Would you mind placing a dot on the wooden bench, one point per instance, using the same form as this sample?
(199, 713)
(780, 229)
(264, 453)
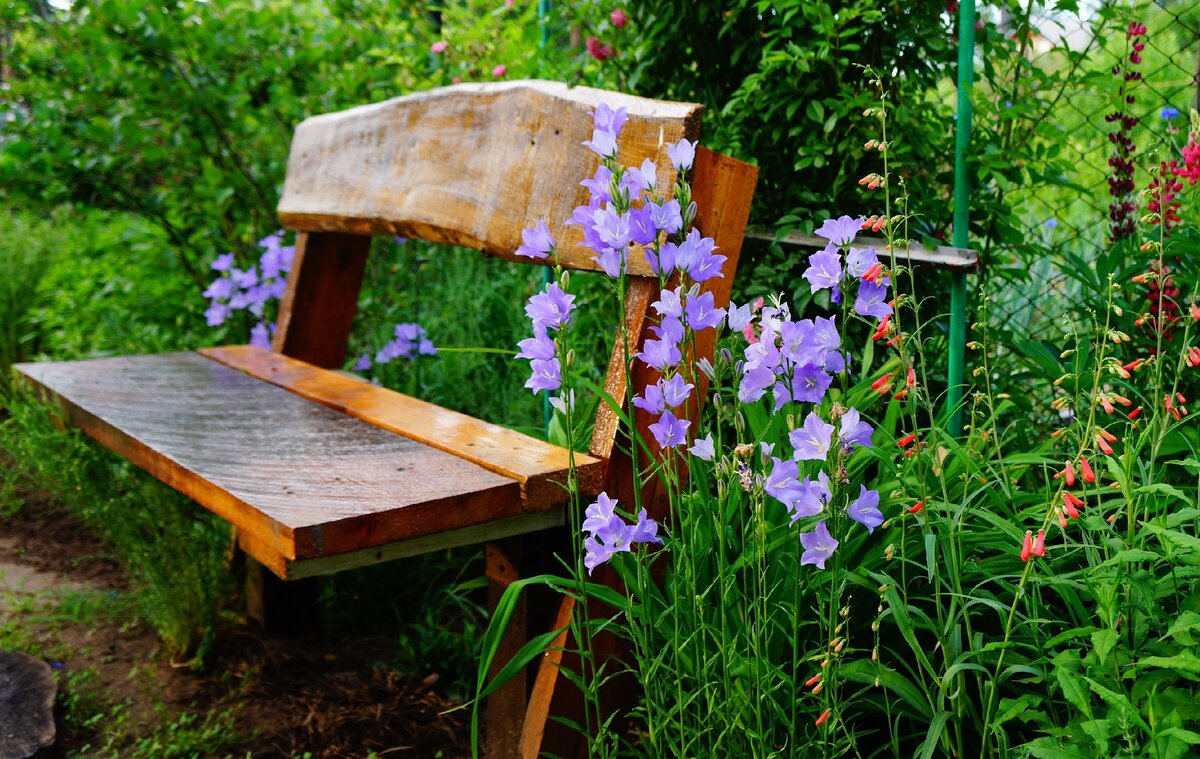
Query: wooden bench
(318, 471)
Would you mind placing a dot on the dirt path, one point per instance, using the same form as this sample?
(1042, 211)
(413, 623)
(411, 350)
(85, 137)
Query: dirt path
(63, 599)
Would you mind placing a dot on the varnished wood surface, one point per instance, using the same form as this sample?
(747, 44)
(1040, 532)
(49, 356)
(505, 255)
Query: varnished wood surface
(540, 468)
(470, 165)
(321, 300)
(298, 479)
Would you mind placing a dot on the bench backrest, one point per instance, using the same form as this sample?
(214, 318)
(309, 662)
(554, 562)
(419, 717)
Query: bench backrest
(474, 165)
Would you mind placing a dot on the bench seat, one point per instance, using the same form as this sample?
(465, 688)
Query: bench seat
(317, 471)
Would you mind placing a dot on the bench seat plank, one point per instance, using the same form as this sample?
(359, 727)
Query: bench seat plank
(540, 467)
(299, 480)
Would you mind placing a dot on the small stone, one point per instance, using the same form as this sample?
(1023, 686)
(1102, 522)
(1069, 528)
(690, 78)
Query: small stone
(27, 692)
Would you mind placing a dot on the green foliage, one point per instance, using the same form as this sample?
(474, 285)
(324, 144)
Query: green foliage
(175, 551)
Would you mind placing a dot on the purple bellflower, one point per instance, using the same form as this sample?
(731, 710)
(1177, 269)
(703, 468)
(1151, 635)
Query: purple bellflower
(841, 231)
(682, 154)
(811, 442)
(550, 309)
(818, 545)
(537, 241)
(669, 431)
(865, 509)
(824, 269)
(871, 300)
(854, 431)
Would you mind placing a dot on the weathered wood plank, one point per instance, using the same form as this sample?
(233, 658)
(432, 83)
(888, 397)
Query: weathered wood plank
(318, 309)
(522, 524)
(943, 256)
(303, 480)
(540, 467)
(469, 165)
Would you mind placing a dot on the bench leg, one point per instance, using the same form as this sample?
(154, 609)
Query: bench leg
(506, 706)
(287, 608)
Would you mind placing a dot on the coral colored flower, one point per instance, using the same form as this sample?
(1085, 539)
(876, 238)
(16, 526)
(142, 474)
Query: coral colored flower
(821, 720)
(1195, 311)
(916, 507)
(1071, 504)
(1086, 469)
(1103, 445)
(881, 385)
(1039, 544)
(1069, 473)
(1027, 546)
(1135, 413)
(905, 441)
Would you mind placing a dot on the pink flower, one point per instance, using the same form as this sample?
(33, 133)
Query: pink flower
(598, 49)
(500, 71)
(1027, 547)
(618, 18)
(439, 46)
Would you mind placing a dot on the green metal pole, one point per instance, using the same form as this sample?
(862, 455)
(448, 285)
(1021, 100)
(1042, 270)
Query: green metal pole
(962, 207)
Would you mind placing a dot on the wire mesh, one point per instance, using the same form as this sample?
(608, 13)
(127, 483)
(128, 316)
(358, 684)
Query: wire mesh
(1093, 107)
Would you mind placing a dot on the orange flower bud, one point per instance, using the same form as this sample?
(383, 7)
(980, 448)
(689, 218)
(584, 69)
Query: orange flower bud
(1135, 413)
(1039, 544)
(916, 507)
(821, 720)
(905, 441)
(1027, 546)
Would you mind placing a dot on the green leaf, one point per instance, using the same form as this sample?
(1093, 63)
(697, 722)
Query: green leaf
(1184, 661)
(1103, 642)
(1181, 628)
(1011, 708)
(1165, 489)
(866, 672)
(933, 735)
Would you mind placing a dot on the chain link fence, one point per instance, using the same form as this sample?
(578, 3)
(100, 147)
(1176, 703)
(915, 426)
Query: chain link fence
(1119, 80)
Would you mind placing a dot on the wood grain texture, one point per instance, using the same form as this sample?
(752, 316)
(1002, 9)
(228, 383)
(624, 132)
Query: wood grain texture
(299, 480)
(539, 467)
(318, 308)
(470, 165)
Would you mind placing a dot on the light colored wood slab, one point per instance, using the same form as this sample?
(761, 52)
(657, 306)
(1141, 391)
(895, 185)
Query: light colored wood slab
(539, 467)
(469, 165)
(943, 256)
(302, 480)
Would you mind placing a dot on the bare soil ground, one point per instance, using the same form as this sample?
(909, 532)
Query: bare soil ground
(63, 598)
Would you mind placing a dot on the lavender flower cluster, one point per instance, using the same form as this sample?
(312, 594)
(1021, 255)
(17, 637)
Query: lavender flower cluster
(409, 341)
(796, 360)
(606, 533)
(252, 289)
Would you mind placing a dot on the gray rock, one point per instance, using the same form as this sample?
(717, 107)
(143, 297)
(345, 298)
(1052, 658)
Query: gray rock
(27, 691)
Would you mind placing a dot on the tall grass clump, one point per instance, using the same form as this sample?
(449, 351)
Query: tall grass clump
(837, 575)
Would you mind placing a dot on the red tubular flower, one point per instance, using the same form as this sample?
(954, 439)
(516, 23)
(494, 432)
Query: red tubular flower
(879, 384)
(1195, 311)
(884, 327)
(1071, 504)
(1062, 519)
(1135, 413)
(1086, 470)
(905, 441)
(1069, 474)
(1027, 546)
(916, 507)
(821, 720)
(872, 274)
(1107, 435)
(1106, 404)
(1133, 365)
(1103, 445)
(912, 377)
(1039, 544)
(810, 682)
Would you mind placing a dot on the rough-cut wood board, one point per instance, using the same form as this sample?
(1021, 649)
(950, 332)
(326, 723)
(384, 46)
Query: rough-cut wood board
(318, 308)
(943, 255)
(27, 691)
(522, 524)
(303, 480)
(469, 165)
(540, 467)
